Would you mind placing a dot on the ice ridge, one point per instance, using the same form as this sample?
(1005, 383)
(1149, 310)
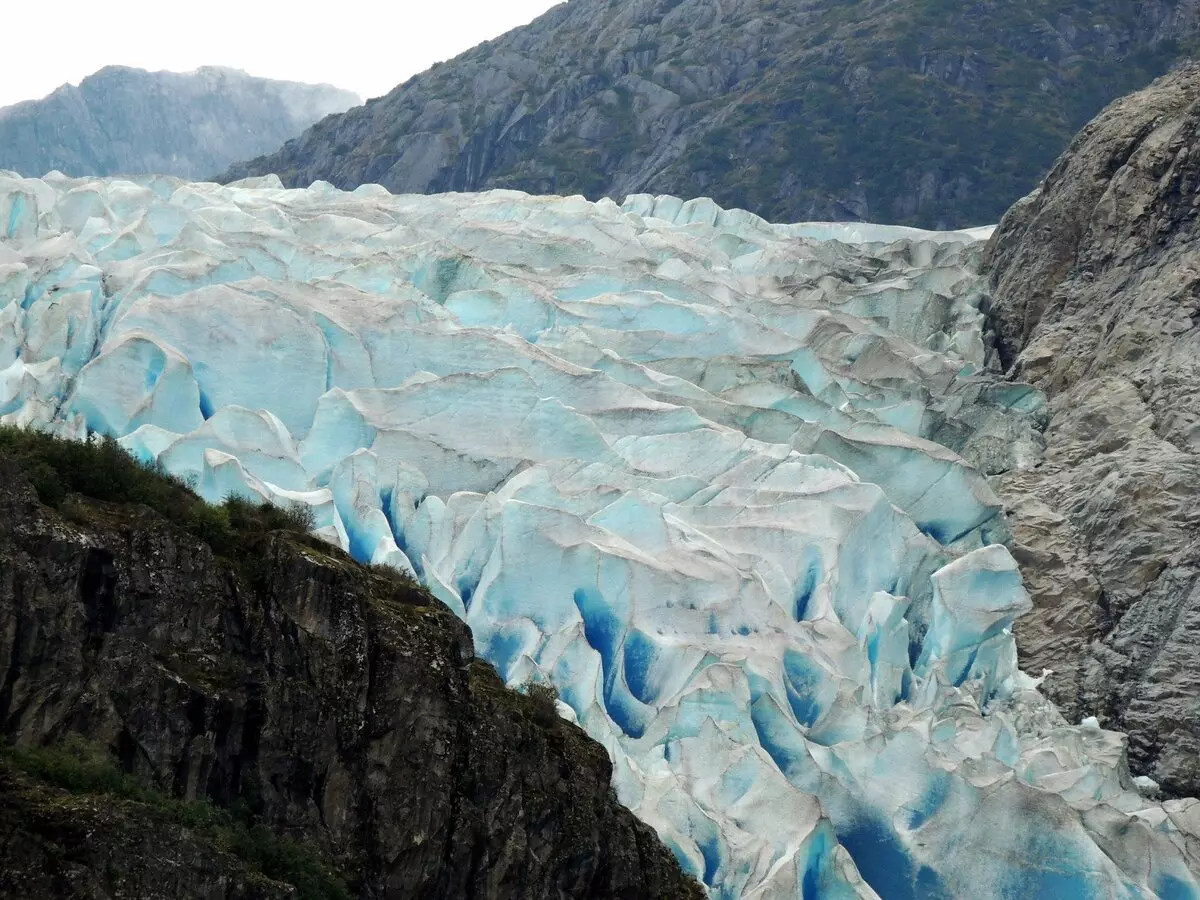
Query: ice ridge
(722, 482)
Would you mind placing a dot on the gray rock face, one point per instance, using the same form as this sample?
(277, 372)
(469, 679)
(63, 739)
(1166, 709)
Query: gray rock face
(339, 706)
(1096, 281)
(54, 844)
(915, 111)
(123, 121)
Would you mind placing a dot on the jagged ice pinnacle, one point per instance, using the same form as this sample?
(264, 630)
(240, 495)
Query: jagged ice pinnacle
(722, 482)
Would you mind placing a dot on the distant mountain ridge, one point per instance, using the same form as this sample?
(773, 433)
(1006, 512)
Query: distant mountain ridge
(931, 113)
(129, 121)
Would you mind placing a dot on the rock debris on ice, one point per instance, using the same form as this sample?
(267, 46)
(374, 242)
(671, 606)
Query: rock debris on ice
(722, 482)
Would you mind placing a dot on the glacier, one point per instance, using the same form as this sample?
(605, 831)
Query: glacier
(723, 483)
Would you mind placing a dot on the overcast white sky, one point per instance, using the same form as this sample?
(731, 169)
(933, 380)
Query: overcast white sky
(366, 46)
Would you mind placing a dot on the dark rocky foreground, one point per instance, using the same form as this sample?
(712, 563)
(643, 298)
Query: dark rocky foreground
(1096, 282)
(336, 706)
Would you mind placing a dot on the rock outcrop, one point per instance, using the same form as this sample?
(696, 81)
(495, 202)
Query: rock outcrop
(123, 121)
(335, 704)
(55, 844)
(921, 112)
(1096, 281)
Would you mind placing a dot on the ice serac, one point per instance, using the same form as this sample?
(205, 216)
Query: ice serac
(722, 482)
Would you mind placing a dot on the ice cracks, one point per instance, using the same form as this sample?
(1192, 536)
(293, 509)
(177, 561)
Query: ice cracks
(722, 482)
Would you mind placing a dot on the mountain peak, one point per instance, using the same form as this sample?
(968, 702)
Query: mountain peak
(127, 120)
(914, 111)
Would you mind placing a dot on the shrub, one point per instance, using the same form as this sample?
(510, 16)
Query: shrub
(297, 517)
(98, 467)
(101, 469)
(393, 575)
(545, 702)
(82, 767)
(212, 525)
(76, 765)
(248, 517)
(45, 481)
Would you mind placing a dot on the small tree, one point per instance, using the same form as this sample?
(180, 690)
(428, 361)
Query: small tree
(545, 702)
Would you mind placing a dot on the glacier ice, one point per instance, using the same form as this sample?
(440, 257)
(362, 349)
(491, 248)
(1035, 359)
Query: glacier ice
(722, 482)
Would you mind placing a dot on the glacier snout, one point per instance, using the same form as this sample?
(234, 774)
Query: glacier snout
(723, 483)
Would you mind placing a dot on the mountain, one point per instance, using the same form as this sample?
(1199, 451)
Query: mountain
(125, 121)
(282, 721)
(926, 112)
(725, 485)
(1094, 299)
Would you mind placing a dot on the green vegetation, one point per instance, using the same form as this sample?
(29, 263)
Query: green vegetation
(99, 468)
(544, 698)
(80, 767)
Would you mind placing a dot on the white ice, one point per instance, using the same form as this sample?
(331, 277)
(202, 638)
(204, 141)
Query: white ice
(707, 475)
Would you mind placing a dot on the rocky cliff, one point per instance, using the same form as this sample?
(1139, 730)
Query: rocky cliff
(125, 121)
(279, 685)
(924, 112)
(1096, 280)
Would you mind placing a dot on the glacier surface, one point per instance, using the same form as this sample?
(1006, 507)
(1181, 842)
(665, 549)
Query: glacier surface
(722, 482)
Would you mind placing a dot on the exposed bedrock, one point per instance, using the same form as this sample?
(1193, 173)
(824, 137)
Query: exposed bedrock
(339, 706)
(1096, 300)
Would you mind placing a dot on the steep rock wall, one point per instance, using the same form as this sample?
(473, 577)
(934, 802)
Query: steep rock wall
(1096, 300)
(339, 706)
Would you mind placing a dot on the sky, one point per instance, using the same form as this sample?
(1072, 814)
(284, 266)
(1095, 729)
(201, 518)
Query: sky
(366, 46)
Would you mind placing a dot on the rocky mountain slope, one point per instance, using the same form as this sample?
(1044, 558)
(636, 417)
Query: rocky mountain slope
(312, 705)
(124, 121)
(1096, 282)
(924, 112)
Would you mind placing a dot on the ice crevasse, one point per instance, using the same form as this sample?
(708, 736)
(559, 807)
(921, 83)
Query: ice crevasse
(722, 482)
